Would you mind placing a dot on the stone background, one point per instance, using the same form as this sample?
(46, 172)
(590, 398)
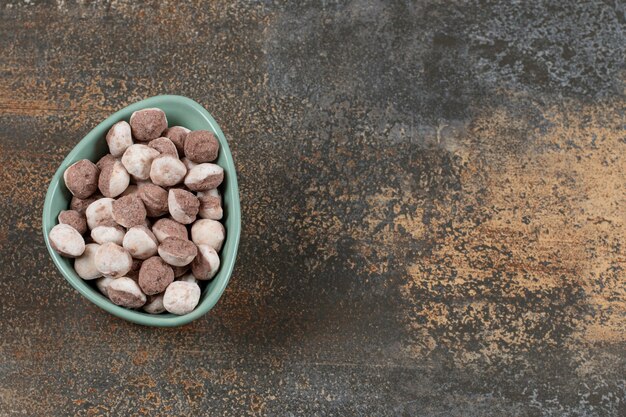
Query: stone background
(433, 195)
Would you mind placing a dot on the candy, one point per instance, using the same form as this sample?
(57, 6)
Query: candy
(67, 241)
(183, 205)
(112, 260)
(106, 234)
(85, 265)
(208, 232)
(99, 213)
(167, 170)
(154, 305)
(126, 293)
(165, 228)
(114, 179)
(204, 177)
(201, 146)
(154, 199)
(177, 135)
(129, 211)
(176, 251)
(155, 275)
(103, 284)
(181, 297)
(210, 204)
(148, 124)
(164, 146)
(81, 178)
(119, 138)
(137, 160)
(140, 242)
(206, 264)
(74, 219)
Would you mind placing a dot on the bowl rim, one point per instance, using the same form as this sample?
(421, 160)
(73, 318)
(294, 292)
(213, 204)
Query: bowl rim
(234, 209)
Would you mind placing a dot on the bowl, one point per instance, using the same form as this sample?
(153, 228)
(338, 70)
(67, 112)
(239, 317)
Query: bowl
(180, 111)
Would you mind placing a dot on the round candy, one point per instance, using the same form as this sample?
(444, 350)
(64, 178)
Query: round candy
(183, 205)
(204, 177)
(148, 124)
(85, 265)
(201, 146)
(106, 234)
(167, 170)
(165, 228)
(164, 146)
(210, 204)
(81, 178)
(155, 275)
(206, 263)
(177, 252)
(137, 160)
(129, 211)
(74, 219)
(140, 242)
(126, 293)
(208, 232)
(177, 135)
(112, 260)
(99, 213)
(119, 138)
(181, 297)
(114, 179)
(67, 241)
(154, 198)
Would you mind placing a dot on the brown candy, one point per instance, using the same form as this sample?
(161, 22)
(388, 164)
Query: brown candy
(155, 275)
(206, 263)
(164, 146)
(177, 135)
(81, 178)
(183, 205)
(177, 252)
(105, 161)
(201, 146)
(74, 219)
(148, 124)
(164, 228)
(154, 198)
(129, 211)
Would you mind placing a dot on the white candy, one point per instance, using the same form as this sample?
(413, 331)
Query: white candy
(167, 170)
(67, 241)
(154, 304)
(181, 297)
(140, 242)
(106, 234)
(208, 232)
(119, 138)
(206, 264)
(103, 284)
(99, 213)
(113, 260)
(137, 160)
(126, 292)
(85, 266)
(182, 205)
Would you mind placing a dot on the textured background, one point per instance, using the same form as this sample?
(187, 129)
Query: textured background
(433, 194)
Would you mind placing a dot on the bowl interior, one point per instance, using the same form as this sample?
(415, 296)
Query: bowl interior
(180, 111)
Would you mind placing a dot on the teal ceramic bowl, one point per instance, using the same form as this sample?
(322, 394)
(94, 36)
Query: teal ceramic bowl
(180, 111)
